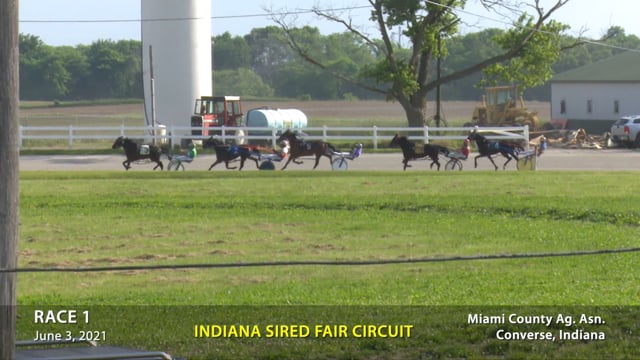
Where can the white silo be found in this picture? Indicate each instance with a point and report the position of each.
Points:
(179, 34)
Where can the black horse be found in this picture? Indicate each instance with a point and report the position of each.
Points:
(488, 148)
(300, 148)
(227, 153)
(135, 152)
(409, 151)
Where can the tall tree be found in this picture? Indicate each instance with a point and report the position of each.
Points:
(268, 51)
(44, 69)
(423, 22)
(241, 81)
(230, 53)
(115, 69)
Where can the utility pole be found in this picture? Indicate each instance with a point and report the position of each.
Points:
(9, 171)
(438, 71)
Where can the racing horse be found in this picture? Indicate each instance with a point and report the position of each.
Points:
(135, 152)
(488, 148)
(227, 153)
(409, 151)
(299, 148)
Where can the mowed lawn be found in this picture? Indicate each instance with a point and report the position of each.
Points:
(102, 219)
(287, 249)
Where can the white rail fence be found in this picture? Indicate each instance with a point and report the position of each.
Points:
(73, 134)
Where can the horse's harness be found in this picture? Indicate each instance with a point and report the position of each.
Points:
(302, 145)
(144, 149)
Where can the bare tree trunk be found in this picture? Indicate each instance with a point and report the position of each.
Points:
(415, 107)
(9, 171)
(415, 117)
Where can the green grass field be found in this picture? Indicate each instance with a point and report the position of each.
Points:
(103, 219)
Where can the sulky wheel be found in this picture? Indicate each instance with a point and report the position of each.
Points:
(175, 165)
(453, 164)
(526, 163)
(339, 164)
(267, 165)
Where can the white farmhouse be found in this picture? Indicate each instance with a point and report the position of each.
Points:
(593, 96)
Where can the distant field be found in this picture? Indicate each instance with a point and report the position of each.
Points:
(331, 113)
(319, 113)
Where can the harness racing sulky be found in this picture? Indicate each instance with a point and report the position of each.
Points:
(456, 157)
(176, 162)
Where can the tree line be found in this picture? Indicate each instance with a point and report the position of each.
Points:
(262, 64)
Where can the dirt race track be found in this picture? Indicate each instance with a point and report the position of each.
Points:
(552, 159)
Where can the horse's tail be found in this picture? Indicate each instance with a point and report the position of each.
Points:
(157, 151)
(332, 149)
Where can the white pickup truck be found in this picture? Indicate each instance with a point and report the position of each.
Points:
(626, 131)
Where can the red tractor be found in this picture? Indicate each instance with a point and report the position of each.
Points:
(214, 112)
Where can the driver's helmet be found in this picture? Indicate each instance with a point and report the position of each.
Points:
(191, 145)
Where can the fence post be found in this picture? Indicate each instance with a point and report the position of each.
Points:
(273, 138)
(70, 136)
(375, 137)
(426, 134)
(324, 133)
(526, 135)
(121, 129)
(173, 137)
(20, 134)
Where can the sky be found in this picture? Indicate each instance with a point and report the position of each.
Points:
(72, 22)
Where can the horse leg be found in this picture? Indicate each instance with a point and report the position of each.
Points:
(287, 163)
(214, 164)
(406, 164)
(509, 157)
(226, 162)
(126, 164)
(317, 162)
(494, 164)
(435, 161)
(242, 159)
(504, 166)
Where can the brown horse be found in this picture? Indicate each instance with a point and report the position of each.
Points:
(227, 153)
(135, 152)
(409, 151)
(306, 148)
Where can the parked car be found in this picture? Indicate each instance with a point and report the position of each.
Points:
(626, 131)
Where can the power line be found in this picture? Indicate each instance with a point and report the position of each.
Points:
(288, 13)
(322, 262)
(224, 17)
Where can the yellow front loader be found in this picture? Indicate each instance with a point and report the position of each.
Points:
(500, 108)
